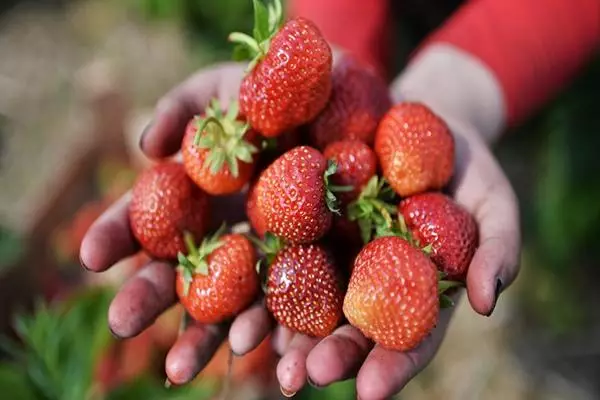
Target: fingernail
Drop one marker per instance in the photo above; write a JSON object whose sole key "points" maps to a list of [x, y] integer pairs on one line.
{"points": [[143, 135], [286, 393], [113, 333], [313, 384], [83, 264], [496, 295]]}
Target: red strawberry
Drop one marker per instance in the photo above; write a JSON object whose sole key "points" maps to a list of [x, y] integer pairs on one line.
{"points": [[256, 219], [165, 203], [435, 219], [392, 297], [415, 149], [217, 151], [289, 79], [218, 280], [356, 165], [303, 290], [293, 196], [359, 99]]}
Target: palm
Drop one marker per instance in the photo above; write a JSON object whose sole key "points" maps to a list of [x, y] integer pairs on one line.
{"points": [[479, 185]]}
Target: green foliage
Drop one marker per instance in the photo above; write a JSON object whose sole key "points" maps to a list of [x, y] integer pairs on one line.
{"points": [[338, 391], [60, 347], [11, 248], [149, 389]]}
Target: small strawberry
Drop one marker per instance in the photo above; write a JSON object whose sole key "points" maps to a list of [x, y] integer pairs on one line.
{"points": [[289, 77], [217, 280], [415, 149], [217, 151], [165, 203], [293, 195], [359, 99], [356, 165], [256, 219], [392, 296], [304, 290], [436, 220]]}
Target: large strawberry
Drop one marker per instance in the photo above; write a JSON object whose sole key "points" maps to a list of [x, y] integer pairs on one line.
{"points": [[392, 296], [359, 99], [218, 152], [293, 195], [415, 149], [289, 78], [356, 165], [217, 280], [165, 204], [304, 290], [436, 220]]}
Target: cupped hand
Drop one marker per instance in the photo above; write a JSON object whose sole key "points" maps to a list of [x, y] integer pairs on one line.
{"points": [[479, 185]]}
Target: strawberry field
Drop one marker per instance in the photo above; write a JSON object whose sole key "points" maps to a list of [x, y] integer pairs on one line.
{"points": [[79, 81]]}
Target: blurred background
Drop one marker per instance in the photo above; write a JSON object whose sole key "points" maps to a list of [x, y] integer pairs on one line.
{"points": [[78, 81]]}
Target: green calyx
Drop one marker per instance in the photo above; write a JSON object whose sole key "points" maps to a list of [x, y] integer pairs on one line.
{"points": [[268, 19], [374, 213], [223, 135], [269, 247], [195, 262], [330, 190], [444, 286]]}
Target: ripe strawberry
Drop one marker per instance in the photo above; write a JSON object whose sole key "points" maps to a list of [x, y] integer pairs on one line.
{"points": [[392, 297], [217, 151], [436, 220], [356, 165], [293, 197], [219, 279], [289, 78], [256, 219], [303, 290], [165, 203], [359, 99], [415, 149]]}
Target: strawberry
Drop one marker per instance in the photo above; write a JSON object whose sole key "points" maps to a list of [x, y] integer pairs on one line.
{"points": [[255, 218], [359, 99], [304, 291], [217, 280], [289, 77], [436, 220], [415, 149], [392, 296], [356, 165], [293, 195], [165, 203], [217, 151]]}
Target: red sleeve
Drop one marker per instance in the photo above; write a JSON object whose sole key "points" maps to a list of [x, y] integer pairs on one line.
{"points": [[532, 46], [361, 27]]}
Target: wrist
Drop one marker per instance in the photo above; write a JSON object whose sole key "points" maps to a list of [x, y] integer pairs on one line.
{"points": [[456, 86]]}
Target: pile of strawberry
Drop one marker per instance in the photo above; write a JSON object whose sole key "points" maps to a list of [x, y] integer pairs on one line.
{"points": [[342, 189]]}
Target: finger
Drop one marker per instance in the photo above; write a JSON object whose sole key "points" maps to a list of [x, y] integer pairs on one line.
{"points": [[109, 239], [249, 329], [338, 356], [291, 369], [485, 191], [192, 351], [385, 372], [163, 136], [282, 339], [142, 299]]}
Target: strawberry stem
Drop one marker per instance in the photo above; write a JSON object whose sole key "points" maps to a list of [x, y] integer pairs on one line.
{"points": [[330, 198], [196, 260], [268, 19], [223, 135]]}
